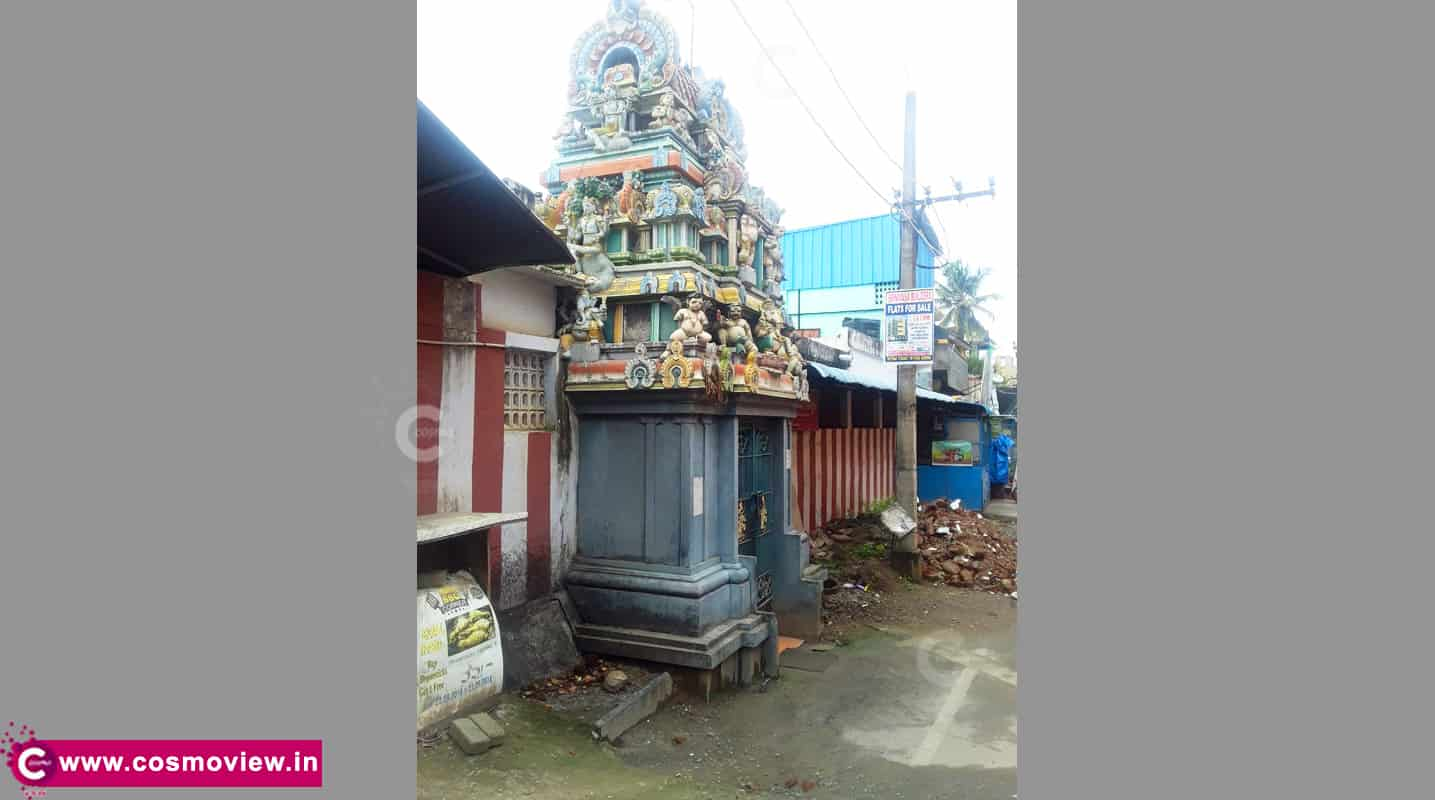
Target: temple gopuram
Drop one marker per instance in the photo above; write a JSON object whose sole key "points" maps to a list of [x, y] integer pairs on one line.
{"points": [[677, 365]]}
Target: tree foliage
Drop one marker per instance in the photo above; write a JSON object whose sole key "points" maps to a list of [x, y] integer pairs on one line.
{"points": [[960, 300]]}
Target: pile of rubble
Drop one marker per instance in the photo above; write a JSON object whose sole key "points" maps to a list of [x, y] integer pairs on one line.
{"points": [[963, 548], [959, 548]]}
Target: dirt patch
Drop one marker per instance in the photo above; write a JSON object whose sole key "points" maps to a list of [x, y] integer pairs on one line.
{"points": [[580, 695], [854, 613], [961, 551]]}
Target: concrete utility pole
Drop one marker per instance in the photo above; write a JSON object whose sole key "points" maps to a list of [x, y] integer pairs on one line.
{"points": [[905, 558]]}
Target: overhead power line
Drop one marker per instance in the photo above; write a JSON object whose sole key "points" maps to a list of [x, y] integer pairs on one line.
{"points": [[906, 217], [940, 222], [901, 213], [802, 102], [960, 196], [838, 82]]}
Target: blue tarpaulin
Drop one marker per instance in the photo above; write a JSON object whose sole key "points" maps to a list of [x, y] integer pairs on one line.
{"points": [[1000, 463]]}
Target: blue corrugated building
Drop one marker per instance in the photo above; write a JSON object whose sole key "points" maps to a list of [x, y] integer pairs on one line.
{"points": [[836, 271]]}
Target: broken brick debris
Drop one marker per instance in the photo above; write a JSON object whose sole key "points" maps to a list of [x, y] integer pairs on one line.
{"points": [[958, 547]]}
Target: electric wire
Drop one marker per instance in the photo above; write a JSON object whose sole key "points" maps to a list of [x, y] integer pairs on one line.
{"points": [[830, 71], [903, 214], [802, 102]]}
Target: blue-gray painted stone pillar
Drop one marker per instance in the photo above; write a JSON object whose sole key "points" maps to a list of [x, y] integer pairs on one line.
{"points": [[657, 574]]}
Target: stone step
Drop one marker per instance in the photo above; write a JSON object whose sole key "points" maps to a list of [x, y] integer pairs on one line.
{"points": [[633, 709], [474, 737], [814, 573]]}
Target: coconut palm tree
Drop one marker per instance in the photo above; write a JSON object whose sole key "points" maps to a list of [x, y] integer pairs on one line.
{"points": [[959, 300]]}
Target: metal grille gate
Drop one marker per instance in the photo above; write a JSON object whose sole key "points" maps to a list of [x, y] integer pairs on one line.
{"points": [[754, 502]]}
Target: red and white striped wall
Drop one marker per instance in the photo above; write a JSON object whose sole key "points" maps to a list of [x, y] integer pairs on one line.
{"points": [[480, 466], [839, 471]]}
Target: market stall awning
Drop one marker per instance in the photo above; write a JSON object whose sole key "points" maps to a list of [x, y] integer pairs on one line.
{"points": [[886, 384], [436, 527], [468, 220]]}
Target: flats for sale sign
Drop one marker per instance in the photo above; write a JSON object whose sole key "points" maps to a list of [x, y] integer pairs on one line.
{"points": [[907, 326]]}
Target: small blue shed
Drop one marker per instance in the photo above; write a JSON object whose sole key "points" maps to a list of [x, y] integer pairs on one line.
{"points": [[953, 445]]}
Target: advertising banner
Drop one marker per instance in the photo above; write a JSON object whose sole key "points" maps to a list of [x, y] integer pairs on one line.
{"points": [[907, 326], [460, 657], [951, 452]]}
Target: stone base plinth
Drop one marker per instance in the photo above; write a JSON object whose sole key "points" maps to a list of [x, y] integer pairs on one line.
{"points": [[706, 651]]}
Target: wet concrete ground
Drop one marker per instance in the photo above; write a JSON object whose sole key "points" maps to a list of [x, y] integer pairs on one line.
{"points": [[905, 711]]}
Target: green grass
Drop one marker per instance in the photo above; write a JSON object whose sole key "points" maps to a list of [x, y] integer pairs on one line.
{"points": [[870, 550], [876, 507]]}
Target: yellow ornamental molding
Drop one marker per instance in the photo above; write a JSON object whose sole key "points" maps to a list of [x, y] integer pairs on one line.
{"points": [[683, 280], [676, 372], [628, 285]]}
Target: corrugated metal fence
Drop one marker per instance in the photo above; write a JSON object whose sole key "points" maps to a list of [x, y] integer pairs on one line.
{"points": [[839, 471]]}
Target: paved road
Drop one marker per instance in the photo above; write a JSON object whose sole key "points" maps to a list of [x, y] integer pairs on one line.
{"points": [[926, 711], [922, 711], [1001, 509]]}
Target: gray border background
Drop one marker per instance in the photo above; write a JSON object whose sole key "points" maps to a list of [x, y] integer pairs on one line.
{"points": [[207, 314], [1224, 208]]}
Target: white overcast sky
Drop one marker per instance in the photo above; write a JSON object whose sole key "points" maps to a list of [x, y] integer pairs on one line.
{"points": [[497, 74]]}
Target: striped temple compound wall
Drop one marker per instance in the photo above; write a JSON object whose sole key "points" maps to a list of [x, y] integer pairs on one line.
{"points": [[839, 471], [481, 463]]}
